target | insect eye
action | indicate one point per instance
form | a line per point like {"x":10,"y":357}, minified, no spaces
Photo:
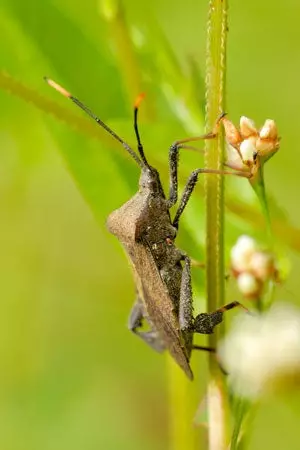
{"x":169,"y":241}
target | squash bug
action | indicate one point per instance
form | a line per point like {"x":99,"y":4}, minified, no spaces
{"x":162,"y":272}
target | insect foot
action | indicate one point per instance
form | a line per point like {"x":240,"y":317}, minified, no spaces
{"x":205,"y":323}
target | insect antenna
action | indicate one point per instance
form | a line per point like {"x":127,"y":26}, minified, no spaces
{"x":136,"y":128}
{"x":77,"y":102}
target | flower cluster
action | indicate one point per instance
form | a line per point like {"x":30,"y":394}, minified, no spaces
{"x":247,"y":144}
{"x":251,"y":266}
{"x":262,"y":351}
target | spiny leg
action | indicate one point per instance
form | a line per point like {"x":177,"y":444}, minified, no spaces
{"x":186,"y":317}
{"x":174,"y":157}
{"x":203,"y":323}
{"x":189,"y":187}
{"x":173,"y":164}
{"x":136,"y":319}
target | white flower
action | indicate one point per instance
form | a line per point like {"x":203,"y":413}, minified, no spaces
{"x":269,"y":130}
{"x":242,"y":252}
{"x":248,"y":149}
{"x":262,"y":351}
{"x":262,"y":265}
{"x":247,"y":127}
{"x":248,"y":141}
{"x":251,"y":266}
{"x":248,"y":285}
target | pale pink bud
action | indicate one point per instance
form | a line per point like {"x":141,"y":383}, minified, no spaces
{"x":262,"y":265}
{"x":248,"y":149}
{"x":264,"y":147}
{"x":248,"y":284}
{"x":247,"y":127}
{"x":231,"y":132}
{"x":241,"y":253}
{"x":269,"y":130}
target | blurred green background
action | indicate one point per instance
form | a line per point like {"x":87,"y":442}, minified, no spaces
{"x":72,"y":376}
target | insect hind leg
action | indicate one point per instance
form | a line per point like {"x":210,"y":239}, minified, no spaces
{"x":205,"y":323}
{"x":135,"y":322}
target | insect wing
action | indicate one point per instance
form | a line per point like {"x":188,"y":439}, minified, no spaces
{"x":158,"y":304}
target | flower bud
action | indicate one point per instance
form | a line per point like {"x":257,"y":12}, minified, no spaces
{"x":266,"y":147}
{"x":248,"y":284}
{"x":231,"y":132}
{"x":269,"y":130}
{"x":247,"y":127}
{"x":233,"y":159}
{"x":262,"y":265}
{"x":241,"y":253}
{"x":248,"y":149}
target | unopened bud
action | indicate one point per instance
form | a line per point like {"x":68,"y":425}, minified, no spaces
{"x":248,"y":284}
{"x":247,"y":127}
{"x":242,"y":253}
{"x":231,"y":132}
{"x":262,"y":265}
{"x":248,"y":149}
{"x":269,"y":130}
{"x":264,"y":147}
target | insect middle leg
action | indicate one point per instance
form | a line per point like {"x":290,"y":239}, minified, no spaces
{"x":203,"y":323}
{"x":187,"y":322}
{"x":135,"y":322}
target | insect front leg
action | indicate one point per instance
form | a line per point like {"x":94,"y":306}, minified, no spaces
{"x":135,"y":322}
{"x":173,"y":164}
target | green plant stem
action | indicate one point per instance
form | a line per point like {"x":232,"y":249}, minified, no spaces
{"x":239,"y":416}
{"x":214,"y":156}
{"x":258,"y":185}
{"x":214,"y":187}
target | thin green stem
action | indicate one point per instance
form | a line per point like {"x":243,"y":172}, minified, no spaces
{"x":258,"y":185}
{"x":214,"y":157}
{"x":239,"y":417}
{"x":215,"y":84}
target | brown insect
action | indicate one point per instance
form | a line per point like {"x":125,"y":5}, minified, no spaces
{"x":162,"y":272}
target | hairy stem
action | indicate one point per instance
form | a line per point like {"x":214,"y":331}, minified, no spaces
{"x":214,"y":153}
